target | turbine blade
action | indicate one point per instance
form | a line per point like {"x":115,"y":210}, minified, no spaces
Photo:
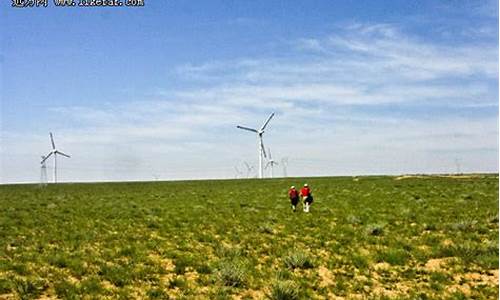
{"x":262,"y":147}
{"x":63,"y":154}
{"x":46,"y":157}
{"x":269,"y":151}
{"x":246,"y":128}
{"x":268,"y":119}
{"x":52,"y":141}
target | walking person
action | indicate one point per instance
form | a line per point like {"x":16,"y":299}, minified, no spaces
{"x":294,"y":197}
{"x":307,"y":197}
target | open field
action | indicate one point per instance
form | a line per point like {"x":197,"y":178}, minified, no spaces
{"x":366,"y":237}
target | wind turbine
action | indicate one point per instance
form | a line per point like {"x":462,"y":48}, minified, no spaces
{"x":249,"y":168}
{"x":284,"y":164}
{"x":260,"y":132}
{"x":238,"y":174}
{"x":457,"y":163}
{"x":271,"y":162}
{"x":55,"y":152}
{"x":43,"y":172}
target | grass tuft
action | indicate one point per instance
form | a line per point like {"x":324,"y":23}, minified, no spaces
{"x":299,"y":259}
{"x":232,"y":273}
{"x":393,"y":256}
{"x":28,"y":288}
{"x":284,"y":290}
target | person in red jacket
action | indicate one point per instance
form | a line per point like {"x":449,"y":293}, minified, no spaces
{"x":305,"y":192}
{"x":294,"y":197}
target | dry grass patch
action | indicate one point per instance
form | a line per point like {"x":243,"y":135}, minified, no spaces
{"x":326,"y":277}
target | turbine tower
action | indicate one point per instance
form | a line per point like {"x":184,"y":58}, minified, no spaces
{"x":271,"y":162}
{"x":55,"y":152}
{"x":260,"y":132}
{"x":43,"y":172}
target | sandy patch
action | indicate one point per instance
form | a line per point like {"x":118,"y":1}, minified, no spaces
{"x":463,"y":288}
{"x":326,"y":277}
{"x":252,"y":294}
{"x":166,"y":263}
{"x":191,"y":276}
{"x":384,"y":292}
{"x":461,"y":176}
{"x":491,"y":278}
{"x":166,"y":278}
{"x":437,"y":264}
{"x":408,"y":177}
{"x":447,"y":242}
{"x":335,"y":297}
{"x":324,"y":254}
{"x":382,"y":266}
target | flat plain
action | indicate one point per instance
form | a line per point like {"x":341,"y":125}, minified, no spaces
{"x":373,"y":237}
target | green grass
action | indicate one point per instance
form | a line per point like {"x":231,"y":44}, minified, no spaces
{"x":375,"y":237}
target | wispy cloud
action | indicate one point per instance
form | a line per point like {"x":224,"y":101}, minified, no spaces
{"x":324,"y":90}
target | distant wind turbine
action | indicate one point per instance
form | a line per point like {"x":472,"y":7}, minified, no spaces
{"x":55,"y":152}
{"x":457,"y":164}
{"x":271,"y":162}
{"x":43,"y":172}
{"x":249,"y":169}
{"x":238,"y":174}
{"x":260,"y":132}
{"x":284,"y":165}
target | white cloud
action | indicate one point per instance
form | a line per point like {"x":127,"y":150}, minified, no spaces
{"x":324,"y":95}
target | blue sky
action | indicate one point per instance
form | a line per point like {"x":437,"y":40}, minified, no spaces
{"x":358,"y":87}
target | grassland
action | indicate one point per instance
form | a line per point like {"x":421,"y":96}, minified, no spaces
{"x":365,"y":238}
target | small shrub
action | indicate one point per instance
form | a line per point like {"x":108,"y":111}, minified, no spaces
{"x":221,"y":294}
{"x":232,"y":274}
{"x":375,"y":229}
{"x":430,"y":227}
{"x":66,"y":290}
{"x":298,"y":259}
{"x":341,"y":286}
{"x":493,"y":218}
{"x":5,"y":286}
{"x":129,"y":251}
{"x":466,"y":197}
{"x":28,"y":288}
{"x":91,"y":285}
{"x":204,"y":269}
{"x":439,"y":277}
{"x":157,"y":293}
{"x":181,"y":264}
{"x":228,"y":252}
{"x":266,"y":228}
{"x":284,"y":290}
{"x":393,"y":256}
{"x":177,"y":282}
{"x":20,"y":269}
{"x":284,"y":274}
{"x":117,"y":275}
{"x":466,"y":225}
{"x":353,"y":220}
{"x":58,"y":261}
{"x":359,"y":261}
